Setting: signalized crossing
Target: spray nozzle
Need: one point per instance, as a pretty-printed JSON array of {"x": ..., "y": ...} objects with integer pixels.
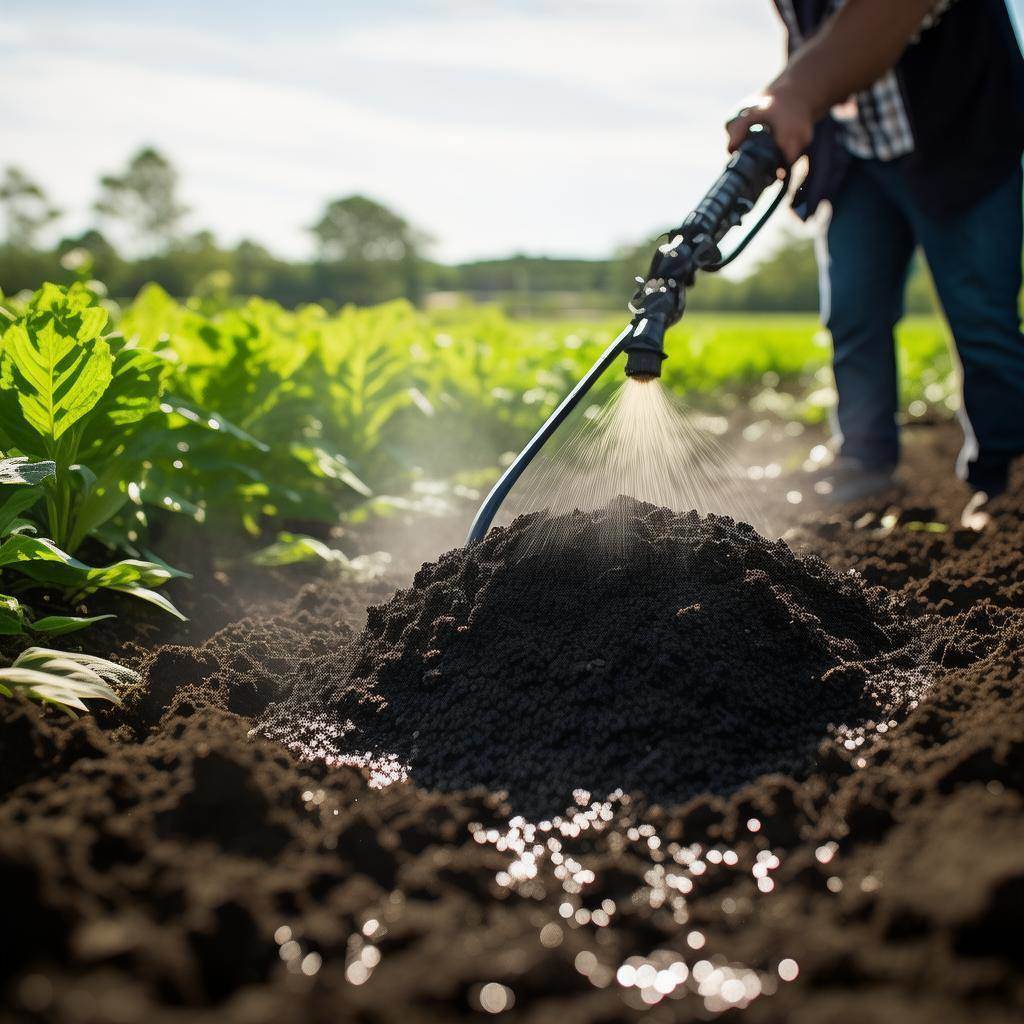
[
  {"x": 661, "y": 297},
  {"x": 645, "y": 350},
  {"x": 662, "y": 305}
]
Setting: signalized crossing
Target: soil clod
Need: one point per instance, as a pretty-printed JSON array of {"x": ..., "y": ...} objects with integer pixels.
[
  {"x": 694, "y": 655},
  {"x": 163, "y": 864}
]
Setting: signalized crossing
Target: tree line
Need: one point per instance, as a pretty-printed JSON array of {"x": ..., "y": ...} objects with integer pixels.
[{"x": 365, "y": 253}]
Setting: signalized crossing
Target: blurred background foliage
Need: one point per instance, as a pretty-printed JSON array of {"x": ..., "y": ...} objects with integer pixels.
[
  {"x": 298, "y": 394},
  {"x": 277, "y": 416},
  {"x": 365, "y": 254}
]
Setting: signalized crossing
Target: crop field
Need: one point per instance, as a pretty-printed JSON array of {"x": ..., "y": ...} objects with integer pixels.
[{"x": 275, "y": 744}]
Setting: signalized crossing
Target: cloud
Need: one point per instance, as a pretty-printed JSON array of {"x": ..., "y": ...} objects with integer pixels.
[{"x": 545, "y": 127}]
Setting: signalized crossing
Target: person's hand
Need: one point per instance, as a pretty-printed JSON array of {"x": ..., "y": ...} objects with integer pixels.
[{"x": 784, "y": 111}]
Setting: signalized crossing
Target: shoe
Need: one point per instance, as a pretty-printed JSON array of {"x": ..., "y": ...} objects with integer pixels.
[
  {"x": 976, "y": 514},
  {"x": 848, "y": 479}
]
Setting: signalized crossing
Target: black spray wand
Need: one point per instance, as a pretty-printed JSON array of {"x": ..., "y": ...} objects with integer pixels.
[{"x": 661, "y": 298}]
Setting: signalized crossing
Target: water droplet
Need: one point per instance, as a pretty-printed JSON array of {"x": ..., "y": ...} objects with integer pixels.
[{"x": 495, "y": 998}]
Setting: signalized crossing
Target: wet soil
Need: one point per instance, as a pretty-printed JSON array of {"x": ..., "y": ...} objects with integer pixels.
[
  {"x": 628, "y": 648},
  {"x": 164, "y": 864}
]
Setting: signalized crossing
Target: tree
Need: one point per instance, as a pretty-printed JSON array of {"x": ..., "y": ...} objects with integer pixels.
[
  {"x": 199, "y": 264},
  {"x": 89, "y": 254},
  {"x": 144, "y": 198},
  {"x": 26, "y": 208},
  {"x": 359, "y": 230},
  {"x": 254, "y": 266},
  {"x": 381, "y": 251},
  {"x": 785, "y": 280}
]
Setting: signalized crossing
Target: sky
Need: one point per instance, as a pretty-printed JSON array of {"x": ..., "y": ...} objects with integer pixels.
[{"x": 558, "y": 127}]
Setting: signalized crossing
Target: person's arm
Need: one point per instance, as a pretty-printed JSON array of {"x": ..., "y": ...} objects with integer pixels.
[{"x": 851, "y": 50}]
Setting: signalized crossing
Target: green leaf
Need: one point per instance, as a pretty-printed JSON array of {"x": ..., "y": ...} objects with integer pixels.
[
  {"x": 43, "y": 562},
  {"x": 331, "y": 465},
  {"x": 152, "y": 596},
  {"x": 151, "y": 316},
  {"x": 25, "y": 526},
  {"x": 19, "y": 525},
  {"x": 20, "y": 499},
  {"x": 64, "y": 679},
  {"x": 122, "y": 472},
  {"x": 87, "y": 476},
  {"x": 58, "y": 367},
  {"x": 19, "y": 470},
  {"x": 20, "y": 551},
  {"x": 58, "y": 625},
  {"x": 21, "y": 492},
  {"x": 37, "y": 657},
  {"x": 295, "y": 549},
  {"x": 103, "y": 498},
  {"x": 12, "y": 616},
  {"x": 70, "y": 576},
  {"x": 212, "y": 421},
  {"x": 49, "y": 296},
  {"x": 172, "y": 573},
  {"x": 136, "y": 384},
  {"x": 48, "y": 689},
  {"x": 152, "y": 574}
]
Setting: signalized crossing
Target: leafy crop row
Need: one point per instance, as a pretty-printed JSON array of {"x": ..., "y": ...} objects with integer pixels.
[
  {"x": 260, "y": 423},
  {"x": 76, "y": 419}
]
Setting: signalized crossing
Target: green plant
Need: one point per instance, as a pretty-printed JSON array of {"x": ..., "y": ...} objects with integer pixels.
[
  {"x": 64, "y": 680},
  {"x": 19, "y": 550},
  {"x": 238, "y": 378},
  {"x": 279, "y": 415},
  {"x": 27, "y": 560},
  {"x": 86, "y": 407},
  {"x": 299, "y": 549},
  {"x": 371, "y": 381}
]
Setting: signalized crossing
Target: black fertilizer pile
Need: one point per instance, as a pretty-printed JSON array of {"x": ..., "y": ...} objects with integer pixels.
[{"x": 697, "y": 659}]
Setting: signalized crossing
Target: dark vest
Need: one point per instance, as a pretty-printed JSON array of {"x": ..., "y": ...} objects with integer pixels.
[{"x": 963, "y": 88}]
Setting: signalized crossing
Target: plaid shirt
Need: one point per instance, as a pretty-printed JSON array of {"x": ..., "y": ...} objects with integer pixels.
[{"x": 875, "y": 125}]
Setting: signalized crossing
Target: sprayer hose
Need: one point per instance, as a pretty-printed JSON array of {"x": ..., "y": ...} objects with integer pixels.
[{"x": 498, "y": 493}]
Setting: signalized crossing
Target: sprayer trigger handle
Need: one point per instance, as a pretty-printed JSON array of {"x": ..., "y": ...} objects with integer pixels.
[{"x": 761, "y": 135}]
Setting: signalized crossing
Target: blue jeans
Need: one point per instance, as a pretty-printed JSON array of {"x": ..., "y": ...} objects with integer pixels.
[{"x": 975, "y": 261}]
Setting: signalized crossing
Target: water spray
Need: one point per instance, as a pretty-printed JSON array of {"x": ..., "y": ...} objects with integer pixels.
[{"x": 660, "y": 298}]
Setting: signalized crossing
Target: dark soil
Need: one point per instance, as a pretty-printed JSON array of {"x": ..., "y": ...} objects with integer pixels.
[
  {"x": 160, "y": 864},
  {"x": 634, "y": 650}
]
